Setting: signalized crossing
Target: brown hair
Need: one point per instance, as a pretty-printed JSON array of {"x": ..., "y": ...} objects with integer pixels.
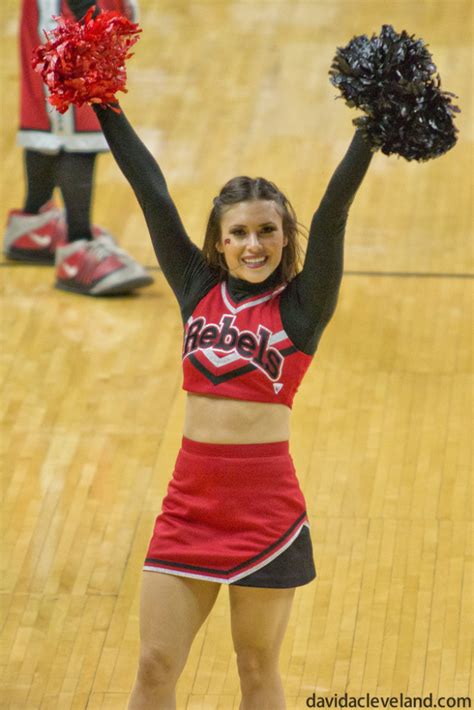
[{"x": 246, "y": 189}]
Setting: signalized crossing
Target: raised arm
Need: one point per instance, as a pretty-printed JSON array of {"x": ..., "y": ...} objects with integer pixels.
[
  {"x": 176, "y": 253},
  {"x": 311, "y": 297},
  {"x": 180, "y": 259}
]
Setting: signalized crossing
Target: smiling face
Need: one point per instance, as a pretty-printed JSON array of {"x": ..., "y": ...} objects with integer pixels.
[{"x": 252, "y": 239}]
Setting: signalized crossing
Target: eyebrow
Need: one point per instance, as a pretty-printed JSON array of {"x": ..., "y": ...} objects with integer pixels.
[{"x": 264, "y": 224}]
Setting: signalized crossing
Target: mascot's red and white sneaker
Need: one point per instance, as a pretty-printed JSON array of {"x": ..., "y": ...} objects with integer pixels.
[
  {"x": 34, "y": 238},
  {"x": 98, "y": 268}
]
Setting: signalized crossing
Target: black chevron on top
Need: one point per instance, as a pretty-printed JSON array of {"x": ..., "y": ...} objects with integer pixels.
[{"x": 237, "y": 372}]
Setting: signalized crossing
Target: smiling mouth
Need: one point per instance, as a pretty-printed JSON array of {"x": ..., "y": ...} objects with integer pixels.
[{"x": 255, "y": 263}]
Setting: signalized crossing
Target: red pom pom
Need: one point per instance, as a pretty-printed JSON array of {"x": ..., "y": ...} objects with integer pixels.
[{"x": 84, "y": 62}]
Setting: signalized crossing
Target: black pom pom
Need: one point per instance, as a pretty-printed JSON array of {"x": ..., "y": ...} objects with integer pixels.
[{"x": 391, "y": 78}]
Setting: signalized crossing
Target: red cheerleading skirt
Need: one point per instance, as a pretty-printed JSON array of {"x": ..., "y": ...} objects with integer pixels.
[{"x": 233, "y": 514}]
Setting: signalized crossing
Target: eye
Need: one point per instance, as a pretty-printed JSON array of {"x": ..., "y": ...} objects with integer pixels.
[
  {"x": 268, "y": 229},
  {"x": 238, "y": 232}
]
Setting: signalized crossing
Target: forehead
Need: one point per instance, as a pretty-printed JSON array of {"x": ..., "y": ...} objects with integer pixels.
[{"x": 251, "y": 212}]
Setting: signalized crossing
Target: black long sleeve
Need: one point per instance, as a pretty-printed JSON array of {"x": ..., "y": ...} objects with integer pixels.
[
  {"x": 310, "y": 299},
  {"x": 180, "y": 259}
]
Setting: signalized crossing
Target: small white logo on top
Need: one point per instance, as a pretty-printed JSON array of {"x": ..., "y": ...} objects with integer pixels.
[
  {"x": 71, "y": 271},
  {"x": 42, "y": 240}
]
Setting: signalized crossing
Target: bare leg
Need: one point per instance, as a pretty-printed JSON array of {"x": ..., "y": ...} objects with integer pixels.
[
  {"x": 259, "y": 620},
  {"x": 172, "y": 611}
]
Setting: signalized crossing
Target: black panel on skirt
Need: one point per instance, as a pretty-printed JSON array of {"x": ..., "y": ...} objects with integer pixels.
[{"x": 293, "y": 568}]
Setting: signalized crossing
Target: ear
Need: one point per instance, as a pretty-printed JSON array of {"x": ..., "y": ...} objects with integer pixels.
[
  {"x": 285, "y": 241},
  {"x": 219, "y": 247}
]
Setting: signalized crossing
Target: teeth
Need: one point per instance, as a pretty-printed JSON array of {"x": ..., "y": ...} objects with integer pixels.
[{"x": 255, "y": 261}]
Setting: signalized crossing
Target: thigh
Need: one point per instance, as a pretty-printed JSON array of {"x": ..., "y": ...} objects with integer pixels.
[
  {"x": 259, "y": 617},
  {"x": 171, "y": 612}
]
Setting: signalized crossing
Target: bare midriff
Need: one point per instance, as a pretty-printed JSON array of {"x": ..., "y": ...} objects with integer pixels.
[{"x": 219, "y": 420}]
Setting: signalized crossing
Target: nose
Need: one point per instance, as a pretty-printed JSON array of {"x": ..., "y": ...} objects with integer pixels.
[{"x": 253, "y": 241}]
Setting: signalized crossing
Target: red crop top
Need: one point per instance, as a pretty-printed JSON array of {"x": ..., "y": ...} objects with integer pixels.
[{"x": 241, "y": 350}]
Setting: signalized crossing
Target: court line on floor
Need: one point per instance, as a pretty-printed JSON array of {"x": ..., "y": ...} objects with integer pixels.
[{"x": 348, "y": 272}]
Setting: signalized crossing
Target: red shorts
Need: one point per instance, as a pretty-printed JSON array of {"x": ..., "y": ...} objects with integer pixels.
[{"x": 233, "y": 514}]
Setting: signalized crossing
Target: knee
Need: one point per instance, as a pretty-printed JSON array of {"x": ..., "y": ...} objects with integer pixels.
[
  {"x": 157, "y": 668},
  {"x": 256, "y": 666}
]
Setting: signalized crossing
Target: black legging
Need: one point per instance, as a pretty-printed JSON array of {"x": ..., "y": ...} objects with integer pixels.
[{"x": 73, "y": 173}]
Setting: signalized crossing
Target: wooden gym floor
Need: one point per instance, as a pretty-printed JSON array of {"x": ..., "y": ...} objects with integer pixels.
[{"x": 91, "y": 397}]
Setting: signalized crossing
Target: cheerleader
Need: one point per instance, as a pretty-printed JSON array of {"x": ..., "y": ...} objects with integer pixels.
[{"x": 234, "y": 513}]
